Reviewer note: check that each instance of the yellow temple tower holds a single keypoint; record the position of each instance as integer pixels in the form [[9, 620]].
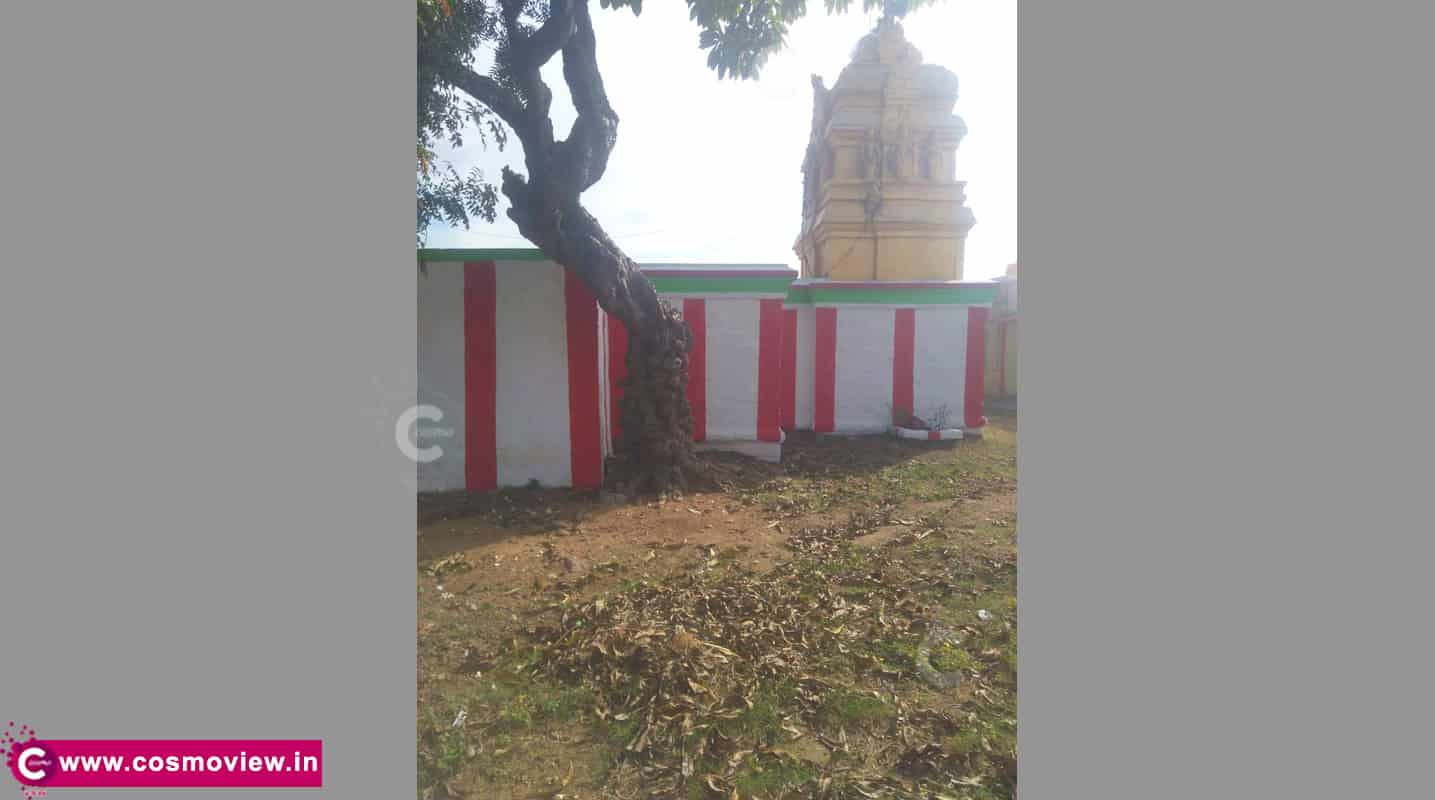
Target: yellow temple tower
[[880, 196]]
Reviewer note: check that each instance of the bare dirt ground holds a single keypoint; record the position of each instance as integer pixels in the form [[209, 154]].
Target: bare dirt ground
[[840, 625]]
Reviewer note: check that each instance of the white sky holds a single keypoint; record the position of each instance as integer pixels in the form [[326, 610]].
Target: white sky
[[709, 170]]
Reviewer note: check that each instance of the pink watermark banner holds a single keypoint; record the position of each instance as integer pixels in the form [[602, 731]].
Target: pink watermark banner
[[167, 763]]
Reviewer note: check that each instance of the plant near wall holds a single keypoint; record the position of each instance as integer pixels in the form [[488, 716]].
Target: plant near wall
[[936, 420], [513, 100]]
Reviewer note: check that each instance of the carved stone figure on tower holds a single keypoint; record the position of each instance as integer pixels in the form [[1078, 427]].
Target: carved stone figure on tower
[[818, 155], [927, 157], [869, 156]]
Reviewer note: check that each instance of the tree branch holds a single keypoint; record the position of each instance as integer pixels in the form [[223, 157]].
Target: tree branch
[[503, 102], [583, 156], [553, 34], [526, 55]]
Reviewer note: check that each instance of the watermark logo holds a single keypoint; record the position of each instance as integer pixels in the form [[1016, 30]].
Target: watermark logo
[[34, 762], [39, 766], [409, 445], [30, 760]]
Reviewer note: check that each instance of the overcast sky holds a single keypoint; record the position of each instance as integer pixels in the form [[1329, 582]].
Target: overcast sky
[[709, 170]]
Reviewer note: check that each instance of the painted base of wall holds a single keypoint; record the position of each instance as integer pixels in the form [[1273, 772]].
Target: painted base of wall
[[851, 433], [856, 430], [762, 451], [922, 434]]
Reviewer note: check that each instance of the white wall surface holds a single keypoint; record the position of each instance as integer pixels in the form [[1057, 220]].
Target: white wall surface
[[532, 382], [864, 369], [806, 367], [732, 352], [441, 373], [939, 362]]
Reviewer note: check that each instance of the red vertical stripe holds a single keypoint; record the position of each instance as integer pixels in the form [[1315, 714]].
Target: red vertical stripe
[[1001, 358], [769, 371], [480, 375], [789, 369], [617, 372], [585, 433], [903, 352], [695, 312], [976, 355], [825, 386]]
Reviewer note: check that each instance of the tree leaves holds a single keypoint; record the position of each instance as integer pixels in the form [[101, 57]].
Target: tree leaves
[[740, 35], [445, 196], [450, 32]]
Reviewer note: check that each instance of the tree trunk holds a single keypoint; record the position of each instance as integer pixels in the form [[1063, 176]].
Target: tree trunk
[[656, 447], [657, 439]]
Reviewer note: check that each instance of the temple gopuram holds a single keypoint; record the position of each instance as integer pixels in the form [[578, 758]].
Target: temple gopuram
[[880, 197]]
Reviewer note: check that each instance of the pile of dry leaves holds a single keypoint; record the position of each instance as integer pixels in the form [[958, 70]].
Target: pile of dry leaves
[[685, 671]]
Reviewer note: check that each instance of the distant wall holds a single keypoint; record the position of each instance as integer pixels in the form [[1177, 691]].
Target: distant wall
[[1002, 335], [879, 350], [1002, 349]]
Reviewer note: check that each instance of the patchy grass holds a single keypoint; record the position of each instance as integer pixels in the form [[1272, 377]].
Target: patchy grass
[[949, 657], [442, 746], [832, 477], [770, 777], [762, 721], [768, 651], [848, 709]]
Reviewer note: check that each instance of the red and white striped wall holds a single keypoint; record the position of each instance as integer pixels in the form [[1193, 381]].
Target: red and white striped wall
[[509, 352], [527, 372], [879, 347], [735, 376]]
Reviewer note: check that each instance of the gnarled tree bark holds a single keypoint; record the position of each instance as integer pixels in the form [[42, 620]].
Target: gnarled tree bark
[[657, 439]]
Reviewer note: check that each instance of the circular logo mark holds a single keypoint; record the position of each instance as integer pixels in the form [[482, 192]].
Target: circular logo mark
[[34, 763], [408, 420]]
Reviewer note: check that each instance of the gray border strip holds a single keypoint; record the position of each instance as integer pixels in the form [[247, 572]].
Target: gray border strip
[[1224, 565], [208, 268]]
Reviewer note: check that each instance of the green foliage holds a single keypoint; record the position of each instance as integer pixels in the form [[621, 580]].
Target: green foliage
[[450, 32], [444, 195]]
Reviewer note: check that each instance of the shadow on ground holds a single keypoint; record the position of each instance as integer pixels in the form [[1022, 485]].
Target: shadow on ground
[[805, 456]]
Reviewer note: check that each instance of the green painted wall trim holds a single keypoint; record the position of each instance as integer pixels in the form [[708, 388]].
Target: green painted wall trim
[[692, 284], [670, 283], [903, 296], [798, 296], [776, 285], [441, 254]]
